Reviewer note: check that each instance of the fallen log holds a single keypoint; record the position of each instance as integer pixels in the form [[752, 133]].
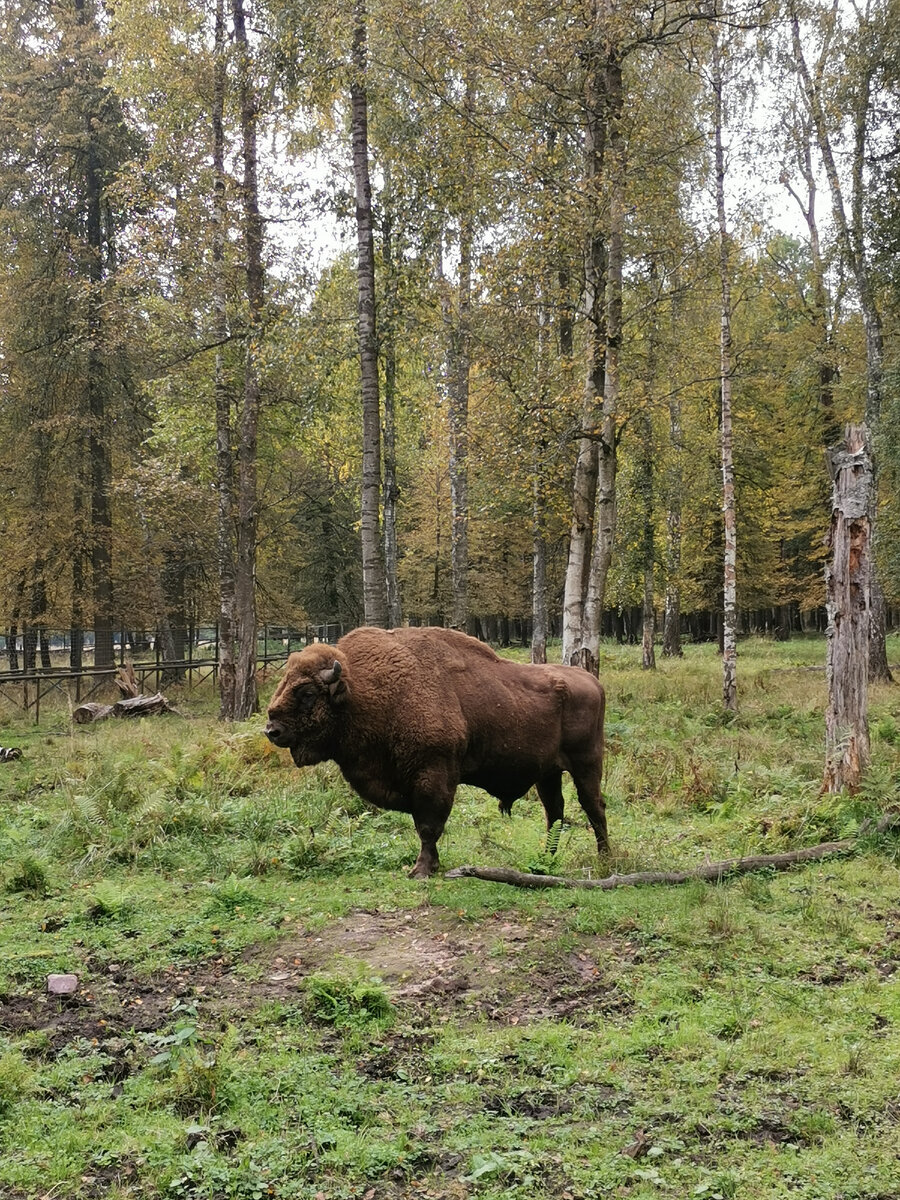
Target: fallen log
[[712, 872], [132, 706]]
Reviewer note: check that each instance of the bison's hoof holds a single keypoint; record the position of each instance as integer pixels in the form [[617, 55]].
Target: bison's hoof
[[422, 871]]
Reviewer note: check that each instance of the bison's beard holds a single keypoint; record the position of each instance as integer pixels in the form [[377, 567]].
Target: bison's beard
[[306, 755]]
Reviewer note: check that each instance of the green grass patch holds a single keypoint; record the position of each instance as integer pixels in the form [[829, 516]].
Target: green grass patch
[[268, 1006]]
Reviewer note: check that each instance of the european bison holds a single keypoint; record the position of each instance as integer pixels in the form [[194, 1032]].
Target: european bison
[[408, 714]]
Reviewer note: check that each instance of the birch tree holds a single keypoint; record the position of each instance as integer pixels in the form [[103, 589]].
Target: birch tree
[[374, 592], [726, 433]]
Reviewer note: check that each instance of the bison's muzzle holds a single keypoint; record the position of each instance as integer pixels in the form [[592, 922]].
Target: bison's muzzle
[[277, 734]]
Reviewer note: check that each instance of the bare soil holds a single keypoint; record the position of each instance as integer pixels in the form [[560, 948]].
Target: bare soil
[[430, 961]]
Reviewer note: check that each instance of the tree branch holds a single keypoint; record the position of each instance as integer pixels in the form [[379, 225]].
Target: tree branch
[[713, 872]]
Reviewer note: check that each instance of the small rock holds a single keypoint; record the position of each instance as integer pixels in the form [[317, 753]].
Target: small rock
[[62, 985]]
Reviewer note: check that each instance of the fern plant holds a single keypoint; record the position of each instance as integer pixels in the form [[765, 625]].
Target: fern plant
[[544, 863]]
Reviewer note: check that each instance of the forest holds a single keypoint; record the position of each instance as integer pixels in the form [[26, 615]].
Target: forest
[[532, 321], [563, 324]]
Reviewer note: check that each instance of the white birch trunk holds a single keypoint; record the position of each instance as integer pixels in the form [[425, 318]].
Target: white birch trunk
[[729, 574], [374, 592]]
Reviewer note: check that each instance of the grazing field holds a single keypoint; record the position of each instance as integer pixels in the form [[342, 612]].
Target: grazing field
[[267, 1006]]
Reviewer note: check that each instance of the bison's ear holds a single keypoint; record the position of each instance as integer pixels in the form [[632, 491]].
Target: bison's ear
[[337, 687]]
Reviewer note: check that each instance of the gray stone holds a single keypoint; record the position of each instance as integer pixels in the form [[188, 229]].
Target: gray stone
[[62, 985]]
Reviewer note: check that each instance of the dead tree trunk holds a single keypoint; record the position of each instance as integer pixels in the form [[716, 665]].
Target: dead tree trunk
[[848, 596]]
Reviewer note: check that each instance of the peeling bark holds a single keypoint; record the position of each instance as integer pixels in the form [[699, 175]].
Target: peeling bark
[[848, 599]]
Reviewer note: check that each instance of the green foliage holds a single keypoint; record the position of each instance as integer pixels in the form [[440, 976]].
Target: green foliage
[[545, 862], [343, 1002], [29, 874], [15, 1081], [197, 1069]]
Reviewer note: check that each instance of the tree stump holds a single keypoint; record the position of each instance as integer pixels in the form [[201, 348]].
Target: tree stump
[[848, 599]]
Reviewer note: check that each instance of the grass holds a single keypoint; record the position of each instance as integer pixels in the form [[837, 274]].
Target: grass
[[269, 1007]]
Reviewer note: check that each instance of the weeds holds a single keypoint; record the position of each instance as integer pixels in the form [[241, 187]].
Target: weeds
[[343, 1002], [30, 874]]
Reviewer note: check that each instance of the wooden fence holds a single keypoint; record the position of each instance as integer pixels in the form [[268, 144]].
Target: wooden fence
[[28, 690]]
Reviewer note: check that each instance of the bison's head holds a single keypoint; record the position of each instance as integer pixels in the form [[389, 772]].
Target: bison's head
[[304, 711]]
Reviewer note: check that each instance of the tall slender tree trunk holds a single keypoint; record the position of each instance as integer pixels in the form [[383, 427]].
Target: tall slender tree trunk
[[458, 415], [729, 574], [605, 518], [584, 488], [646, 487], [539, 612], [79, 540], [374, 591], [389, 356], [99, 448], [674, 488], [224, 432], [245, 692], [674, 484], [458, 368]]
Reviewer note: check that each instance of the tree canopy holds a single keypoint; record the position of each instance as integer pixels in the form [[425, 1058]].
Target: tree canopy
[[176, 382]]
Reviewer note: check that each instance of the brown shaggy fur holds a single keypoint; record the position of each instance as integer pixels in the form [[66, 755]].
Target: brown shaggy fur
[[408, 714]]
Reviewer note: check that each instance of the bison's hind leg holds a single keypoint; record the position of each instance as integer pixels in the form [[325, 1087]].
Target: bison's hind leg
[[590, 797], [550, 791]]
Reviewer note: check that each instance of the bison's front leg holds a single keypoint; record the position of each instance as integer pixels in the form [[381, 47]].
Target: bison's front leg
[[431, 808]]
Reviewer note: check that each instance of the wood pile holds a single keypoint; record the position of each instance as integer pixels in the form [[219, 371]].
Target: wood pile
[[132, 704]]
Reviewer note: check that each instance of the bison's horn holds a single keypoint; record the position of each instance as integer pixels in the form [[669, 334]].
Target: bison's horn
[[331, 674]]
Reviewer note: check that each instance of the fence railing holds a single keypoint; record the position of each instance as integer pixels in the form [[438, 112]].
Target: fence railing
[[28, 690]]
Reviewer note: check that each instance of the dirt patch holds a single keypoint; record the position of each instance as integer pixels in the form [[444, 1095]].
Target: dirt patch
[[831, 974], [428, 960]]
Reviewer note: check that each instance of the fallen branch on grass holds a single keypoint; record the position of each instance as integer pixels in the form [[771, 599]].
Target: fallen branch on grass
[[713, 871], [134, 706]]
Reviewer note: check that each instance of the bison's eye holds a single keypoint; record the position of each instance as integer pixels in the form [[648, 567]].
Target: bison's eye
[[305, 696]]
